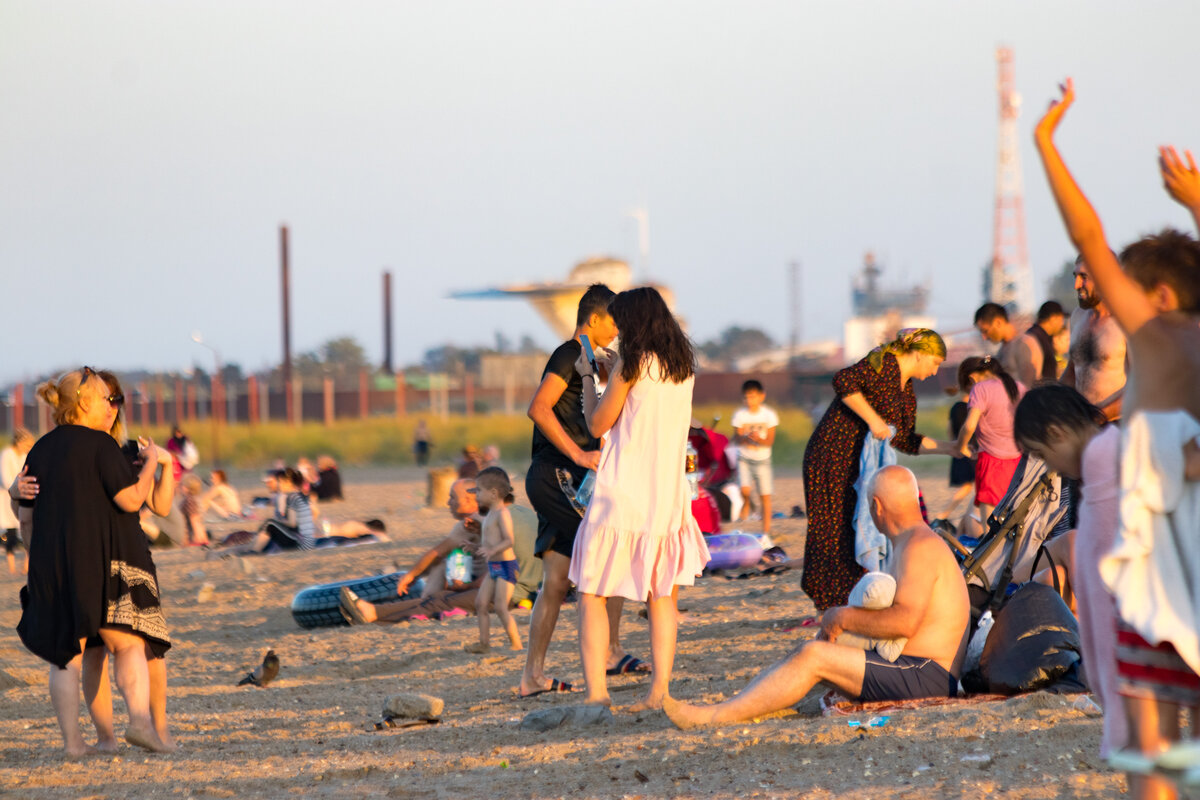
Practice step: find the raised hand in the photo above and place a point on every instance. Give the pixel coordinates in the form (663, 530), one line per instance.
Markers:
(1054, 114)
(1182, 181)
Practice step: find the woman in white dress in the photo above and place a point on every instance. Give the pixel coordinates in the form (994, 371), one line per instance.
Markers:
(638, 539)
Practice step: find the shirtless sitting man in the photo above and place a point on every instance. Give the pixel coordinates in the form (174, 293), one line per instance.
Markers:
(1096, 368)
(437, 596)
(931, 610)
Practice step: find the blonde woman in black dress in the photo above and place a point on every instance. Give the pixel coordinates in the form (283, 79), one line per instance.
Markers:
(82, 582)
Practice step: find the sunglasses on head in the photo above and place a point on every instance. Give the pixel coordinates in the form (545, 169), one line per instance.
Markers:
(85, 374)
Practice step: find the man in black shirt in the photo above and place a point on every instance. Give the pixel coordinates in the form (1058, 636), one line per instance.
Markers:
(563, 451)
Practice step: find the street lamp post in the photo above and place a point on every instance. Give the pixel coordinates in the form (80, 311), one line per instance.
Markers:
(212, 402)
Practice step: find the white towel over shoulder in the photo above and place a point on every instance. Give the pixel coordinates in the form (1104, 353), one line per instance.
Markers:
(1153, 569)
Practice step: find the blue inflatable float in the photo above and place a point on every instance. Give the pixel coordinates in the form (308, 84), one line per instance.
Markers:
(317, 606)
(735, 550)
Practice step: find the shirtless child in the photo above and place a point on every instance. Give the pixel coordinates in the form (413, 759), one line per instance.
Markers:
(493, 490)
(931, 609)
(1096, 368)
(1154, 295)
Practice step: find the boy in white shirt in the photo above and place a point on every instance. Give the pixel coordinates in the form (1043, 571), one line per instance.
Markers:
(754, 427)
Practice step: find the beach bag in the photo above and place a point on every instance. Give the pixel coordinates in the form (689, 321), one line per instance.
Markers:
(1033, 643)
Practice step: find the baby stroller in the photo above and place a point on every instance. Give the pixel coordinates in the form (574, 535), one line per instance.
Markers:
(1037, 507)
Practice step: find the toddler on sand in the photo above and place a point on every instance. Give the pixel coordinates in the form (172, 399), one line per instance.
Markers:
(494, 492)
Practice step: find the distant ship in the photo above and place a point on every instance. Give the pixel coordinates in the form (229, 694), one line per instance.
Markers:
(878, 313)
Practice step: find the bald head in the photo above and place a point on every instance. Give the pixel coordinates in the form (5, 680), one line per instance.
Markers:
(895, 502)
(462, 503)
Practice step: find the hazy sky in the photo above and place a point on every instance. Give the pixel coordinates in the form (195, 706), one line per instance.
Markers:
(150, 150)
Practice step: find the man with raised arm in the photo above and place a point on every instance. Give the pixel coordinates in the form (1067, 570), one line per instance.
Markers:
(1153, 293)
(1096, 365)
(931, 610)
(563, 452)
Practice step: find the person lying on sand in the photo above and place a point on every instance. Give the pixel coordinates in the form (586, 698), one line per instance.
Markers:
(931, 610)
(438, 597)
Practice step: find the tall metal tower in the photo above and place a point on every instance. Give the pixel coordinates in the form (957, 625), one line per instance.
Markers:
(1009, 280)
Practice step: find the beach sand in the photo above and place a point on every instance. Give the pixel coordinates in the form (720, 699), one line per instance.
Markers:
(309, 734)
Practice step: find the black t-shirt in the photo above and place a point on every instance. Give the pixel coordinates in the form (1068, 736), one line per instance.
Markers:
(568, 409)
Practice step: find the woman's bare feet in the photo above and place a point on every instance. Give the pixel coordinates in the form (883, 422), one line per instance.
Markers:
(651, 702)
(686, 716)
(106, 746)
(597, 701)
(168, 740)
(477, 647)
(79, 751)
(147, 739)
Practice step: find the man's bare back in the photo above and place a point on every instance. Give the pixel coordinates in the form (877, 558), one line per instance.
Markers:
(1097, 357)
(942, 634)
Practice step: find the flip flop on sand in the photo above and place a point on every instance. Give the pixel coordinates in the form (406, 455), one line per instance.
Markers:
(628, 664)
(556, 687)
(348, 605)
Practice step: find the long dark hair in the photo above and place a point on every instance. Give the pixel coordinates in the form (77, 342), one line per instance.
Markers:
(1053, 405)
(648, 328)
(992, 366)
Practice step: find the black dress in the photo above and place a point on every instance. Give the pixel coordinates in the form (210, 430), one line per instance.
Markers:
(87, 569)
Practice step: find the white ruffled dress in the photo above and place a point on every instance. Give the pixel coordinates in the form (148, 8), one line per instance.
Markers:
(638, 537)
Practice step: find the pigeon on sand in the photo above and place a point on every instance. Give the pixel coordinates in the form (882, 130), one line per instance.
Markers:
(264, 673)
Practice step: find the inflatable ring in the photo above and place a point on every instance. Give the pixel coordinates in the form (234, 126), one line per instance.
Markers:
(317, 606)
(734, 550)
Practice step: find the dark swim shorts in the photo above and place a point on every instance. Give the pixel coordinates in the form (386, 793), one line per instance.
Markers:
(504, 570)
(551, 492)
(906, 678)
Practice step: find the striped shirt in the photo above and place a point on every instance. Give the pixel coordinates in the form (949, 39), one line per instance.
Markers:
(301, 514)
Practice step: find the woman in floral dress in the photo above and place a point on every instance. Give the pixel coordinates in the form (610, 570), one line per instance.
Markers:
(873, 396)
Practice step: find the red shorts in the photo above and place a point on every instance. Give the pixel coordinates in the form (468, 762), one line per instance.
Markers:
(992, 477)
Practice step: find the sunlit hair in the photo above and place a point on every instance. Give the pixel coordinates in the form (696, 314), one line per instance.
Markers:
(192, 483)
(117, 430)
(1169, 257)
(219, 476)
(987, 365)
(594, 301)
(497, 479)
(648, 328)
(22, 436)
(66, 395)
(909, 340)
(1053, 405)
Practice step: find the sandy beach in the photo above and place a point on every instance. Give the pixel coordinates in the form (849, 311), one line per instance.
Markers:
(310, 733)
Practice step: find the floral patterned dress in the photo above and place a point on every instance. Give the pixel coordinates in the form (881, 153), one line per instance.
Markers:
(831, 469)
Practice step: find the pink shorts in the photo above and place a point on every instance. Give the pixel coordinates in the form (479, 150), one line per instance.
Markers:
(992, 477)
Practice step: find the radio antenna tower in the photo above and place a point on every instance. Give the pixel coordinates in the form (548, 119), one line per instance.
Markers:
(1009, 280)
